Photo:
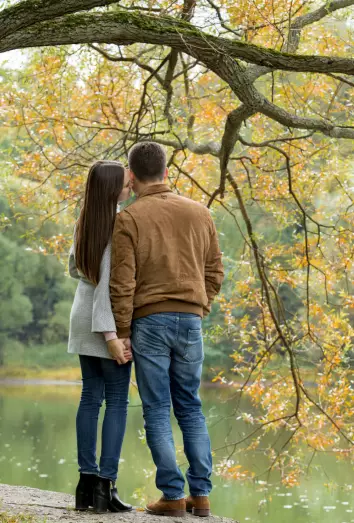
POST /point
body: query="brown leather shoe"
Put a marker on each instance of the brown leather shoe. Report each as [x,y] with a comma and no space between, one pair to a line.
[168,507]
[198,505]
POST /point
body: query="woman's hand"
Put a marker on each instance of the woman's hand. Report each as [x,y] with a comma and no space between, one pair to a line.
[118,351]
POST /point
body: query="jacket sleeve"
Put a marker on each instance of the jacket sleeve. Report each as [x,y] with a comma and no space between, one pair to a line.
[214,270]
[123,273]
[102,316]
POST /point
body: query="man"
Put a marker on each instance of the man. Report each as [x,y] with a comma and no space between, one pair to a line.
[166,270]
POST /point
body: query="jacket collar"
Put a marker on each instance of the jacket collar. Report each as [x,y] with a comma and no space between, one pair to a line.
[154,189]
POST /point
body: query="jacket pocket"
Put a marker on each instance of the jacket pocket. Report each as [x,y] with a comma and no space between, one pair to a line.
[151,339]
[193,351]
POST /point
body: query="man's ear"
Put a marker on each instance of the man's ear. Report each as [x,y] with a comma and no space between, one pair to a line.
[131,174]
[165,176]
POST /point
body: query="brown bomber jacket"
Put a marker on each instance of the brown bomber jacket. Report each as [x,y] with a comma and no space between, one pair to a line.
[165,258]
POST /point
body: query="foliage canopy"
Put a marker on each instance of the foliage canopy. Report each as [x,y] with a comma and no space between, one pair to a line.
[252,100]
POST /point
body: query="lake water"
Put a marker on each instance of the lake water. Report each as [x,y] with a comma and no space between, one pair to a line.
[38,449]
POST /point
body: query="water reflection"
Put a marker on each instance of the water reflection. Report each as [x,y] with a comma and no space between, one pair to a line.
[38,449]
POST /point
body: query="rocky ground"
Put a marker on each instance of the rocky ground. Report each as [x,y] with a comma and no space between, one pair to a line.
[44,506]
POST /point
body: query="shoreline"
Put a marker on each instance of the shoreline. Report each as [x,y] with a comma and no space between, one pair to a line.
[71,376]
[12,381]
[62,376]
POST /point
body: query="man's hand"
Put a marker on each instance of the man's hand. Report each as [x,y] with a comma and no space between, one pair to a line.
[118,351]
[127,343]
[128,348]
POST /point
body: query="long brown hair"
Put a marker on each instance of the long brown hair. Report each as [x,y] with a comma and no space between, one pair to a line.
[94,227]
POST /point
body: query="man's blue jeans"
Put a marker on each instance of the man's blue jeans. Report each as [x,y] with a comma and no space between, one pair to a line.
[168,355]
[102,379]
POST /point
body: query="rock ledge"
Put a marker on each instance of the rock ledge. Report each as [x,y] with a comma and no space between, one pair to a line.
[47,506]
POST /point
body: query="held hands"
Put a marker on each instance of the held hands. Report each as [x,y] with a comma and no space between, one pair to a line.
[120,350]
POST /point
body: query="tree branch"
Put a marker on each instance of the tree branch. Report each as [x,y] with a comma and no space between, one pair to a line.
[25,14]
[125,28]
[229,139]
[133,60]
[293,41]
[309,18]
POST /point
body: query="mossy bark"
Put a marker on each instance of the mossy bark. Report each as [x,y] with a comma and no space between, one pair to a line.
[125,27]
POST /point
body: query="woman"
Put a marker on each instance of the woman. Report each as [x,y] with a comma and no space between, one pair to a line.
[93,337]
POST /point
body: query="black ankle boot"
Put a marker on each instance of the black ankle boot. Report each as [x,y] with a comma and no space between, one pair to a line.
[116,504]
[105,497]
[84,491]
[102,495]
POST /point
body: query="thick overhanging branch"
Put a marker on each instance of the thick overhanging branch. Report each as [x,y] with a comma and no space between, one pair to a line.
[125,28]
[25,14]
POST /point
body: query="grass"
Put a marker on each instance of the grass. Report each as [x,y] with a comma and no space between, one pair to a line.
[5,517]
[37,357]
[26,373]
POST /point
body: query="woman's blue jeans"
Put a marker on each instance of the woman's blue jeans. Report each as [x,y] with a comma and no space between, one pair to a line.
[102,379]
[168,355]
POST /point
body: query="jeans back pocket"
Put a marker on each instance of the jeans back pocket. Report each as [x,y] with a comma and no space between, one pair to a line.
[150,339]
[193,350]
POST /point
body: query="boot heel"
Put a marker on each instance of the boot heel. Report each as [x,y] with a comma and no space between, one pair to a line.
[100,504]
[201,512]
[81,502]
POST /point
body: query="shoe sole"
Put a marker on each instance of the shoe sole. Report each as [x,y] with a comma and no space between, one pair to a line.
[112,508]
[201,512]
[109,509]
[168,513]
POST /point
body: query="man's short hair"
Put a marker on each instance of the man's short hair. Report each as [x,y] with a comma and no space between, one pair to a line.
[148,161]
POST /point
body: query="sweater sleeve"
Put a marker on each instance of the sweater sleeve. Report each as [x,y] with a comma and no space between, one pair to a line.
[102,316]
[74,273]
[72,264]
